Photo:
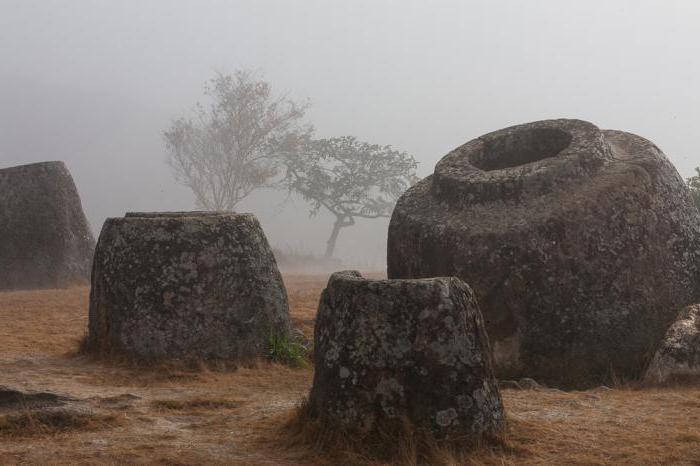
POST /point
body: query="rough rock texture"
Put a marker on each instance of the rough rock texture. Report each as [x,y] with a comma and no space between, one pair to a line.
[678,357]
[391,348]
[185,286]
[45,240]
[579,244]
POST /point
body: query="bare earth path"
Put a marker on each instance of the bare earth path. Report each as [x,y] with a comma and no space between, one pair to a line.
[176,416]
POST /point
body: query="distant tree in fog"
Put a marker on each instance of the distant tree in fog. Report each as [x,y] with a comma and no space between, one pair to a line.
[350,179]
[228,150]
[694,185]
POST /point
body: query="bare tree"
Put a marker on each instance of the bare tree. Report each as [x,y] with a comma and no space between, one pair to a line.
[349,179]
[229,149]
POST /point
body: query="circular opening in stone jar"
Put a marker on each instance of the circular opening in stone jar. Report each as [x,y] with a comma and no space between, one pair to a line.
[520,148]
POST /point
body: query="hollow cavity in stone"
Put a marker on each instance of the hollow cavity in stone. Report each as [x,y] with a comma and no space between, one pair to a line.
[520,148]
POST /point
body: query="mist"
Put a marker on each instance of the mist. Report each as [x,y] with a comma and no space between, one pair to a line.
[95,83]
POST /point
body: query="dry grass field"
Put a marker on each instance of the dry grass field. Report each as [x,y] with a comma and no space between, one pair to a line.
[118,414]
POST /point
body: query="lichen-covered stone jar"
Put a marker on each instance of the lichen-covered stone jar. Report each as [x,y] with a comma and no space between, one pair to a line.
[580,244]
[386,350]
[185,285]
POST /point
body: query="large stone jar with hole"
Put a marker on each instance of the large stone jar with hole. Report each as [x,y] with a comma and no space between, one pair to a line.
[580,243]
[185,285]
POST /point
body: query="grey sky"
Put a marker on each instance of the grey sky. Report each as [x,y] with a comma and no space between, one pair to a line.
[95,82]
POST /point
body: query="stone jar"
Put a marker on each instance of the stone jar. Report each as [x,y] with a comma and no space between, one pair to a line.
[580,244]
[45,239]
[404,349]
[188,285]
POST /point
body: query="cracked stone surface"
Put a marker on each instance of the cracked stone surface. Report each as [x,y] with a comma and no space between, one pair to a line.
[580,244]
[181,285]
[678,357]
[45,239]
[386,349]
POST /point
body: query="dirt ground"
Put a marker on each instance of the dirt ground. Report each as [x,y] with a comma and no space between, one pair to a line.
[125,415]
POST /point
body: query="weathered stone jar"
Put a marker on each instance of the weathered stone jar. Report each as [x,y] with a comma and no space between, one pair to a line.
[579,243]
[391,349]
[45,239]
[185,285]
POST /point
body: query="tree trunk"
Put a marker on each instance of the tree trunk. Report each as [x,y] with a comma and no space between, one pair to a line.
[330,244]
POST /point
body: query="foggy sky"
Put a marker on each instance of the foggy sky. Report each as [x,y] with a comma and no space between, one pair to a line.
[94,83]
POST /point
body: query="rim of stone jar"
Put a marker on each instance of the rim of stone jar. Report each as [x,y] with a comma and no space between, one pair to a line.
[538,158]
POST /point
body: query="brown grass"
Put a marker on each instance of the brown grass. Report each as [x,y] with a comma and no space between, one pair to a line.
[42,322]
[214,415]
[303,292]
[197,404]
[398,442]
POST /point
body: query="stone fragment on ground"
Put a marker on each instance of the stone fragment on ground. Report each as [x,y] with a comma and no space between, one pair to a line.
[525,383]
[678,356]
[12,398]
